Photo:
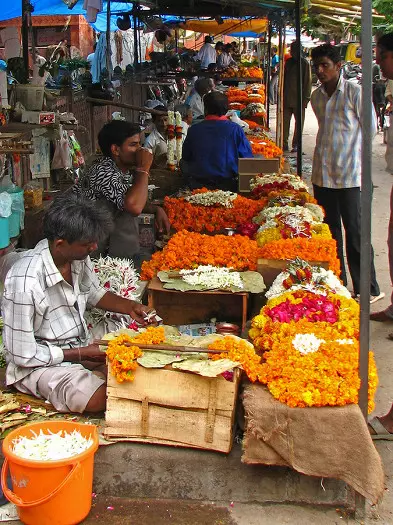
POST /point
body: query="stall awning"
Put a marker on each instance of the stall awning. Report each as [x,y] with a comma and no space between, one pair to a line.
[229,26]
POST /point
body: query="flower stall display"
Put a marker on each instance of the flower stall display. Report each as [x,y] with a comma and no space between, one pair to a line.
[244,97]
[262,145]
[211,211]
[243,72]
[118,276]
[255,110]
[308,333]
[208,277]
[188,250]
[263,185]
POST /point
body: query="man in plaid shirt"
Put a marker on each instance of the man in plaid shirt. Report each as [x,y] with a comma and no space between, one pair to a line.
[48,349]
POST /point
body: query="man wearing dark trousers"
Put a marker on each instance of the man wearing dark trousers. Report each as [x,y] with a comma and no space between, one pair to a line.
[336,173]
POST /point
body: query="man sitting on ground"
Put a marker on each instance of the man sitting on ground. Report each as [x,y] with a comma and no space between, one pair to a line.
[48,348]
[212,148]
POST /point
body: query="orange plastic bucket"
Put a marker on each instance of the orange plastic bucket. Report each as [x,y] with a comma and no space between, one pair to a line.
[50,492]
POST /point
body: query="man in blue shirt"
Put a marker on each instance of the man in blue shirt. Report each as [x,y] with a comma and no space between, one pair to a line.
[273,88]
[213,147]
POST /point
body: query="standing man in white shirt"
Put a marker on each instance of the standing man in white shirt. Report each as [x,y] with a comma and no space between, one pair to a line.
[202,87]
[336,172]
[207,54]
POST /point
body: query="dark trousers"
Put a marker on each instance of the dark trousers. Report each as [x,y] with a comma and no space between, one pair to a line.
[288,112]
[344,205]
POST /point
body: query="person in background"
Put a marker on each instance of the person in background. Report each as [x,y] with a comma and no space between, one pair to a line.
[212,148]
[119,180]
[219,48]
[336,171]
[235,50]
[207,54]
[226,60]
[157,141]
[274,67]
[48,347]
[90,57]
[291,94]
[186,115]
[202,86]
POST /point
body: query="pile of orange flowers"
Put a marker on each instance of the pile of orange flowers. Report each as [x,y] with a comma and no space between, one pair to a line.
[243,72]
[243,97]
[122,354]
[237,106]
[264,146]
[186,216]
[187,250]
[239,351]
[316,249]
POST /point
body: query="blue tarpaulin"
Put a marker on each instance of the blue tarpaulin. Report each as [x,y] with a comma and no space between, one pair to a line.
[57,7]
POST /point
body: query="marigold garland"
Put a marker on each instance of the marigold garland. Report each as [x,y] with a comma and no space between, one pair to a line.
[264,146]
[314,249]
[186,216]
[122,356]
[188,250]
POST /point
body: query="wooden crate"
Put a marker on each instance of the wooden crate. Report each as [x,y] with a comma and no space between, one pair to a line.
[171,407]
[249,168]
[178,308]
[271,268]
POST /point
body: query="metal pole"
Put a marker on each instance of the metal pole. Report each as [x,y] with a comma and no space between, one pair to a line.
[25,36]
[280,85]
[299,77]
[134,18]
[268,68]
[366,199]
[108,39]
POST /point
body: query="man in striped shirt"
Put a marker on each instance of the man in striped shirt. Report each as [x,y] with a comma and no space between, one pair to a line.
[336,173]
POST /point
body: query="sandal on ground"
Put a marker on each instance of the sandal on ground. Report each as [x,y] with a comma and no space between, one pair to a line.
[373,298]
[380,432]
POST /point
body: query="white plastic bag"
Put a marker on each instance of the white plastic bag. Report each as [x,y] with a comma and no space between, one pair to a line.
[62,158]
[5,204]
[389,149]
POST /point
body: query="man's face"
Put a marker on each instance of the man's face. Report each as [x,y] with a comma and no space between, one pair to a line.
[385,60]
[326,70]
[126,152]
[75,251]
[162,123]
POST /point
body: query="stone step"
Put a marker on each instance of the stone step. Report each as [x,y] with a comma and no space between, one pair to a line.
[140,471]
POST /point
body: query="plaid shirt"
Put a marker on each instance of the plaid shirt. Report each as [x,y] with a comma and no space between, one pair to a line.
[338,151]
[43,314]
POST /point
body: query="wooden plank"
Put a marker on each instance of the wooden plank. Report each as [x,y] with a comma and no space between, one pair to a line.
[173,388]
[183,427]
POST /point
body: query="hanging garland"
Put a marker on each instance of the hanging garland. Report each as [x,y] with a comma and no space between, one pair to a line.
[175,130]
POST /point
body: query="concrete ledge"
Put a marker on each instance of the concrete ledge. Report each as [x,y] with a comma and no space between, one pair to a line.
[134,470]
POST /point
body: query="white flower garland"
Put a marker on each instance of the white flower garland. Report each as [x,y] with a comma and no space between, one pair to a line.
[212,277]
[307,343]
[294,180]
[213,198]
[174,149]
[268,214]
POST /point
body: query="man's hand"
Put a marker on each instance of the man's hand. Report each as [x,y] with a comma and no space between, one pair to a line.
[162,222]
[144,159]
[84,353]
[139,312]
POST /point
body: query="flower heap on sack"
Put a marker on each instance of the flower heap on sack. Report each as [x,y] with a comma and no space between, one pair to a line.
[289,222]
[262,185]
[254,109]
[242,96]
[308,333]
[262,145]
[211,211]
[243,72]
[117,275]
[188,250]
[174,131]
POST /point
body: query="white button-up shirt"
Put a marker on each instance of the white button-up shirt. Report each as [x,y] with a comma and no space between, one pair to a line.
[337,155]
[207,55]
[43,313]
[197,106]
[156,143]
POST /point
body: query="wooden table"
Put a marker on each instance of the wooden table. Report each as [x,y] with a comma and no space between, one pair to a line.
[180,308]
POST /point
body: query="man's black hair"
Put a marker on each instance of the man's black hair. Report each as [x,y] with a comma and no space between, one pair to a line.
[73,218]
[202,85]
[326,50]
[116,132]
[216,103]
[386,42]
[274,49]
[162,108]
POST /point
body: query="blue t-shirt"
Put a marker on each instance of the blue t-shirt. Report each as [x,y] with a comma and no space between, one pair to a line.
[275,61]
[212,149]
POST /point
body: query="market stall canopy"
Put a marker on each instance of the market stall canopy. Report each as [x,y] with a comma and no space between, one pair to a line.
[10,10]
[229,26]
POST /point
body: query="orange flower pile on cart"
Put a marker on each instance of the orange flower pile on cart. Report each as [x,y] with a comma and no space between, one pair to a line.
[186,250]
[264,146]
[184,215]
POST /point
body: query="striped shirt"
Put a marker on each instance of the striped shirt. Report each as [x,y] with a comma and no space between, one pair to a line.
[337,154]
[43,313]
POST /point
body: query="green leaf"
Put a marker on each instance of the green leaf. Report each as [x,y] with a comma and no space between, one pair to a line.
[253,282]
[206,368]
[159,359]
